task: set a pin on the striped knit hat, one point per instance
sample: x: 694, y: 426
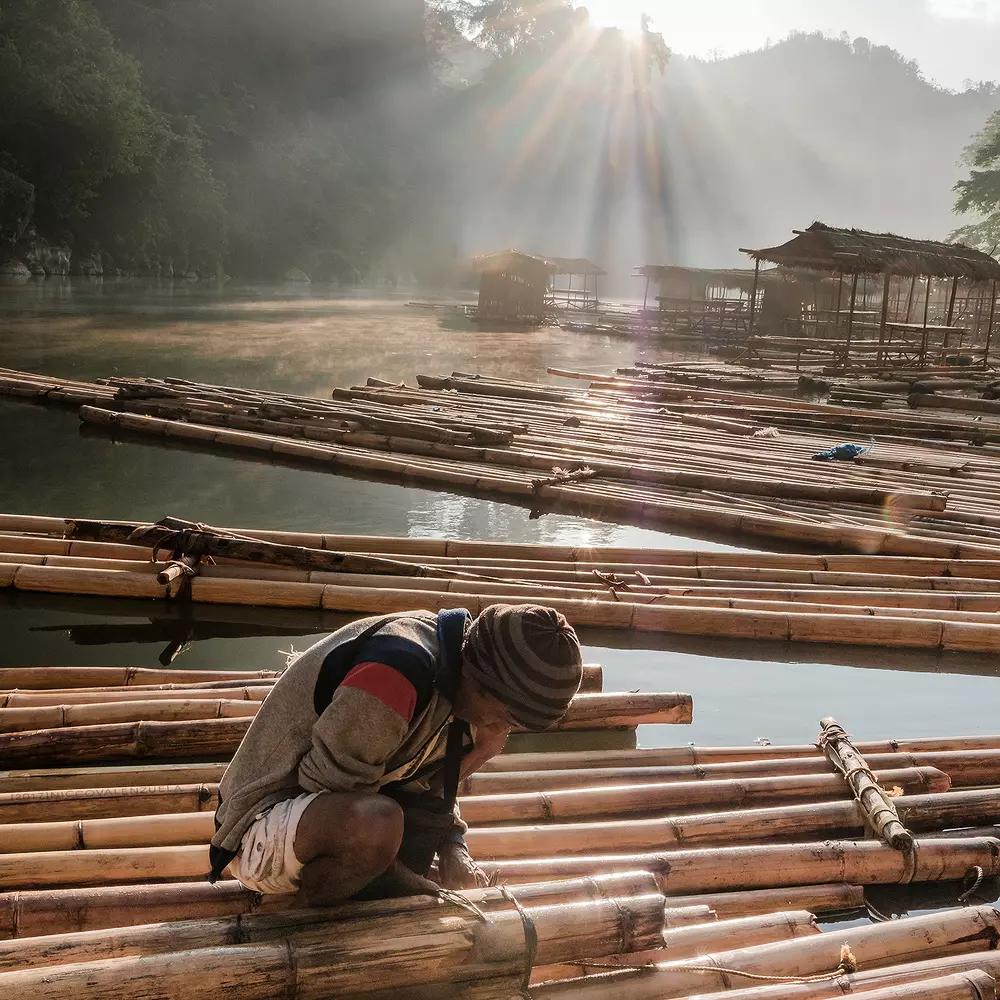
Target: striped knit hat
x: 528, y: 657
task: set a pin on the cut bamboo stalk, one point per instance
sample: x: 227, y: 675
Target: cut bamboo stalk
x: 938, y: 934
x: 78, y: 804
x: 187, y: 740
x: 622, y: 800
x: 669, y: 833
x: 123, y: 826
x: 819, y: 899
x: 697, y: 755
x: 763, y: 866
x: 38, y: 913
x: 92, y: 778
x: 868, y: 981
x: 324, y: 962
x: 964, y: 768
x: 880, y: 814
x: 687, y: 942
x: 14, y: 720
x: 42, y: 678
x: 520, y: 862
x: 395, y: 914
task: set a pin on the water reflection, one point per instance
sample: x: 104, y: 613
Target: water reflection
x: 298, y: 341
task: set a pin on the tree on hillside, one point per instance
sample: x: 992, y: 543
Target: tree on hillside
x: 74, y: 113
x: 980, y: 193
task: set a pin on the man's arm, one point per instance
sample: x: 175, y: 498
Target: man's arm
x: 365, y: 723
x: 455, y: 865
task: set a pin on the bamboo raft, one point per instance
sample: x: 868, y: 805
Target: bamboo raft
x: 630, y: 449
x: 644, y: 873
x: 913, y: 602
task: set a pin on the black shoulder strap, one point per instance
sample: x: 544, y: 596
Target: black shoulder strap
x: 338, y: 663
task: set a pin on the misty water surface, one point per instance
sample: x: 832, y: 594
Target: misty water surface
x: 304, y: 342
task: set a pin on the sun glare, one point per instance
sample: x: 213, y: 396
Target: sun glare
x: 618, y: 14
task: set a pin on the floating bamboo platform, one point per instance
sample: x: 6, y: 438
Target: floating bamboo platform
x: 632, y: 449
x: 646, y: 873
x: 945, y: 602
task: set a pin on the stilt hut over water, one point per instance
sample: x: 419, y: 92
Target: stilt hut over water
x: 697, y: 300
x: 576, y: 271
x: 512, y: 286
x: 883, y: 299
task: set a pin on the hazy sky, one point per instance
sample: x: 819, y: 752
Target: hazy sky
x: 953, y: 40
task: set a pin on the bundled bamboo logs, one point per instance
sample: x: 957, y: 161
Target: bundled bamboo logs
x: 36, y: 914
x: 126, y: 823
x: 880, y: 813
x: 348, y: 957
x: 948, y: 603
x: 632, y: 449
x: 760, y: 866
x: 891, y: 977
x: 917, y: 938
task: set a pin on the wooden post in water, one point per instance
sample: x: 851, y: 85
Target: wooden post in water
x: 923, y: 339
x: 951, y: 301
x: 885, y: 316
x: 753, y: 295
x: 850, y: 320
x: 878, y: 810
x: 989, y: 328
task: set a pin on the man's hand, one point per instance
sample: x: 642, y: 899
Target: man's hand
x: 456, y: 869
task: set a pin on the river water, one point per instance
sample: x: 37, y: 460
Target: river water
x: 299, y: 341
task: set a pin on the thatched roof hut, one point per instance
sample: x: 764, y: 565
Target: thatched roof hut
x: 577, y: 265
x: 826, y: 248
x: 512, y: 285
x: 584, y: 296
x: 914, y: 306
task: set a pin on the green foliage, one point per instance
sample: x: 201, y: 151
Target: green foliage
x: 217, y: 134
x: 980, y: 193
x: 73, y: 109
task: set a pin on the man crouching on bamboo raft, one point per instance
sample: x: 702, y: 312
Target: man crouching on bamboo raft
x: 346, y: 781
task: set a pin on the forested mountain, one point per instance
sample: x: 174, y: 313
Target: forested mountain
x: 742, y: 151
x: 394, y: 137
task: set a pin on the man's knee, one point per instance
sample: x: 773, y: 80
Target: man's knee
x: 368, y: 827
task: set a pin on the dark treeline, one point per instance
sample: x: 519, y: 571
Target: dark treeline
x: 201, y: 134
x: 391, y: 137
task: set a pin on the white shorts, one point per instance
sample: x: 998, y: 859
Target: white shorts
x: 266, y: 861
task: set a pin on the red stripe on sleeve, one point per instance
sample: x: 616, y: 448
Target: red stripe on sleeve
x: 388, y: 685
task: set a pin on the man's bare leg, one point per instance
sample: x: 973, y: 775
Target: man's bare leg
x: 345, y: 841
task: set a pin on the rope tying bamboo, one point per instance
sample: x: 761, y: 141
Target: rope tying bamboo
x: 848, y: 966
x: 980, y: 875
x: 530, y: 935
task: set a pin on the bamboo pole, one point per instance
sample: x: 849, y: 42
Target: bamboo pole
x: 762, y: 866
x: 974, y: 984
x: 687, y: 942
x: 673, y: 832
x: 554, y: 805
x: 869, y: 980
x: 880, y: 814
x: 520, y: 848
x: 124, y: 826
x: 39, y: 913
x: 78, y: 804
x: 318, y: 964
x: 698, y: 755
x: 937, y: 934
x: 964, y: 768
x: 835, y: 897
x: 394, y: 914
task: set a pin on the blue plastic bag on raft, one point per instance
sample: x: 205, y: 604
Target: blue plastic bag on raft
x: 843, y: 452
